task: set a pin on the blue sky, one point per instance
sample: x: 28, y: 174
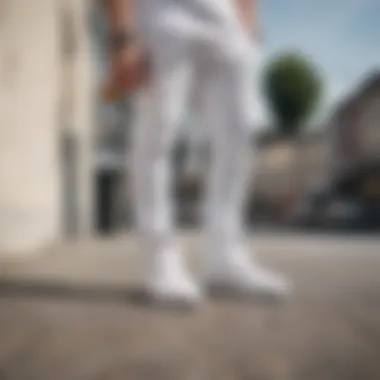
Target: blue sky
x: 341, y: 36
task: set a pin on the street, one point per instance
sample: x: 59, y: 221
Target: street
x: 73, y: 312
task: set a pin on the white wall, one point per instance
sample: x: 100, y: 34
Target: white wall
x: 29, y: 79
x: 31, y: 83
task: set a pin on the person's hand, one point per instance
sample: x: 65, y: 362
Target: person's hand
x: 128, y: 72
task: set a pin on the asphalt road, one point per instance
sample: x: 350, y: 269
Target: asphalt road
x: 73, y: 312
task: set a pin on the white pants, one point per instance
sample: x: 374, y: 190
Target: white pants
x: 215, y: 59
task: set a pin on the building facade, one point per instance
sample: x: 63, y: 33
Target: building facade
x: 356, y: 135
x: 287, y: 170
x: 45, y: 123
x: 356, y: 126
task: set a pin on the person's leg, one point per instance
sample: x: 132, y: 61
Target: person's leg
x: 159, y: 113
x: 230, y: 98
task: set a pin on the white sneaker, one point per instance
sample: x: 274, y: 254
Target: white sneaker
x: 236, y: 275
x: 169, y: 282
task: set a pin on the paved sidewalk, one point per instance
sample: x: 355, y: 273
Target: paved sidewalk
x: 73, y: 313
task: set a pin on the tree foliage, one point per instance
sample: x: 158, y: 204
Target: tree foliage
x: 293, y: 89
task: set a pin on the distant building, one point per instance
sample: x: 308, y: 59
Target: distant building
x: 355, y: 168
x: 285, y: 170
x: 356, y: 128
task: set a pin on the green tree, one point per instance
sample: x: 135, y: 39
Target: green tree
x: 293, y: 88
